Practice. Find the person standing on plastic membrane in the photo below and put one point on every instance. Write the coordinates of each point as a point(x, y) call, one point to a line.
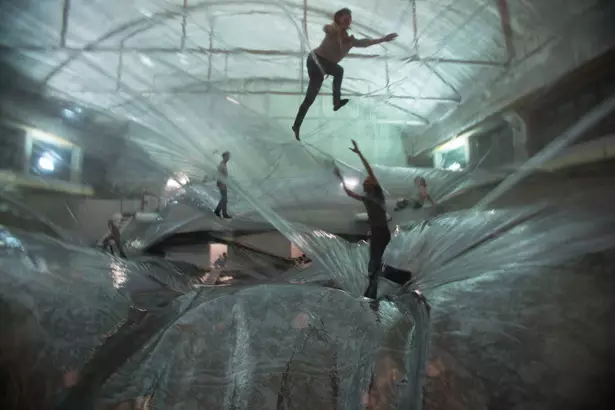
point(112, 242)
point(376, 212)
point(222, 176)
point(324, 61)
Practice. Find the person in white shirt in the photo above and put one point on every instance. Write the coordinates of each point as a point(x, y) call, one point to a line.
point(222, 176)
point(324, 61)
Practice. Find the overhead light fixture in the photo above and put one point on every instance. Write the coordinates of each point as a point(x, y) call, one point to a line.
point(177, 182)
point(231, 99)
point(47, 162)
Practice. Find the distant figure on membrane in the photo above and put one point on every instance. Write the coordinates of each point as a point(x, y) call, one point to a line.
point(418, 202)
point(324, 60)
point(222, 176)
point(112, 242)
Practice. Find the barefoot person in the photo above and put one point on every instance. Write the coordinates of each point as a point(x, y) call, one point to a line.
point(222, 176)
point(324, 61)
point(419, 202)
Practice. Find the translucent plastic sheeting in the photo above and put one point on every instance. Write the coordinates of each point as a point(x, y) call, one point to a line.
point(461, 245)
point(471, 244)
point(268, 361)
point(125, 57)
point(103, 332)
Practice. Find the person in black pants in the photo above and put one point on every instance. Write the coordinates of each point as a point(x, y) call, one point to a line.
point(375, 205)
point(324, 61)
point(221, 183)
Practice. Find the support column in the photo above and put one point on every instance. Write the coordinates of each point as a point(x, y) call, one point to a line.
point(76, 165)
point(519, 128)
point(27, 153)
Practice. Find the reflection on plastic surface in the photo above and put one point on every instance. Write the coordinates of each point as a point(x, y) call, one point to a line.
point(8, 242)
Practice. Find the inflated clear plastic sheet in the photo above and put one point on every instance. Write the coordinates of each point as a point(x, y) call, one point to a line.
point(58, 303)
point(295, 354)
point(311, 355)
point(109, 331)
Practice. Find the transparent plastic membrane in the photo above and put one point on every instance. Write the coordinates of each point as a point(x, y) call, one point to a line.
point(88, 330)
point(108, 331)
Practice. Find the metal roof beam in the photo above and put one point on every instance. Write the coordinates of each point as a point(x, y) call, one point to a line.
point(237, 51)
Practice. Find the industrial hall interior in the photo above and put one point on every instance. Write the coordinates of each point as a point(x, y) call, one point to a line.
point(307, 204)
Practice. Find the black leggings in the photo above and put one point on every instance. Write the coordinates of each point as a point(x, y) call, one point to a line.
point(377, 245)
point(316, 79)
point(378, 242)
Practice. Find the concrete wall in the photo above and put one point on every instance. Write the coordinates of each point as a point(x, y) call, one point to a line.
point(85, 217)
point(493, 147)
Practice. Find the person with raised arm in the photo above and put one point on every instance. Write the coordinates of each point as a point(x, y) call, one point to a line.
point(374, 202)
point(221, 183)
point(324, 61)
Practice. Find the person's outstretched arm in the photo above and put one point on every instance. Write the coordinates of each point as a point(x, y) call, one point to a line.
point(368, 42)
point(368, 168)
point(351, 194)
